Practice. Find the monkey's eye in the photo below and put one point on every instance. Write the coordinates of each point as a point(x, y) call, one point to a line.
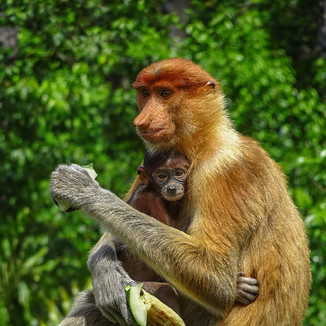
point(165, 93)
point(178, 173)
point(145, 92)
point(161, 176)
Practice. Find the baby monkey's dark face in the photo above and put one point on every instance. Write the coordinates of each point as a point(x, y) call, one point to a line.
point(171, 182)
point(167, 173)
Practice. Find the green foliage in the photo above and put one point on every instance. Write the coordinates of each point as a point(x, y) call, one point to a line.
point(66, 96)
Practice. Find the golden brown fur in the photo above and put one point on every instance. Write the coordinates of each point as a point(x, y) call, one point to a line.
point(238, 209)
point(245, 219)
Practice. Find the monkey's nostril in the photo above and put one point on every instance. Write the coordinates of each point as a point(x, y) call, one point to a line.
point(171, 190)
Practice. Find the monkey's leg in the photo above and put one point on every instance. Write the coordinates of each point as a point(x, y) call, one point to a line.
point(84, 312)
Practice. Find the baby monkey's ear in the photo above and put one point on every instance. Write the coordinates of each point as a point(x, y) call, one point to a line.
point(142, 174)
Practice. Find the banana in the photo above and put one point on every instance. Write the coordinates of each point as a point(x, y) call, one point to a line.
point(150, 311)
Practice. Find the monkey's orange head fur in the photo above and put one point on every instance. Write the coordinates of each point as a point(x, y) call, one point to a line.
point(178, 101)
point(180, 73)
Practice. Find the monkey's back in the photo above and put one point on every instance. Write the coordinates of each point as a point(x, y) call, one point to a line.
point(256, 216)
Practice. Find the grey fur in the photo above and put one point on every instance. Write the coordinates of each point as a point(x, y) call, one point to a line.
point(149, 239)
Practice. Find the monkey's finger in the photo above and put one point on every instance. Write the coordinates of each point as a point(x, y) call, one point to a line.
point(245, 298)
point(247, 280)
point(243, 301)
point(68, 210)
point(79, 169)
point(248, 296)
point(253, 289)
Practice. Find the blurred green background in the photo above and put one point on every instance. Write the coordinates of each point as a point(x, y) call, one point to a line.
point(66, 69)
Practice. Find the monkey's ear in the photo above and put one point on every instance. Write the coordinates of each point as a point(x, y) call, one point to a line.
point(142, 174)
point(210, 83)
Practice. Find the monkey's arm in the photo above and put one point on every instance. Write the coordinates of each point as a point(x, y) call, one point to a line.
point(190, 266)
point(109, 280)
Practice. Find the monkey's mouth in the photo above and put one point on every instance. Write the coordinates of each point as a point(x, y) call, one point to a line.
point(174, 197)
point(149, 134)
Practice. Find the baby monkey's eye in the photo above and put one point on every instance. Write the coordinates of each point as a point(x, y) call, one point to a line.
point(178, 173)
point(161, 176)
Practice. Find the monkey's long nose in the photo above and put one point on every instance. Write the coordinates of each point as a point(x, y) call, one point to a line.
point(143, 119)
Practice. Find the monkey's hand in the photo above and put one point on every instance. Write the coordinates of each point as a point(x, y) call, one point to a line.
point(247, 289)
point(73, 185)
point(109, 281)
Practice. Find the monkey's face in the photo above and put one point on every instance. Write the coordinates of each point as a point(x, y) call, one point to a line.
point(171, 183)
point(171, 100)
point(154, 122)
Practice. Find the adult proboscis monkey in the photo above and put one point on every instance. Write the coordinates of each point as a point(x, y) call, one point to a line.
point(239, 212)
